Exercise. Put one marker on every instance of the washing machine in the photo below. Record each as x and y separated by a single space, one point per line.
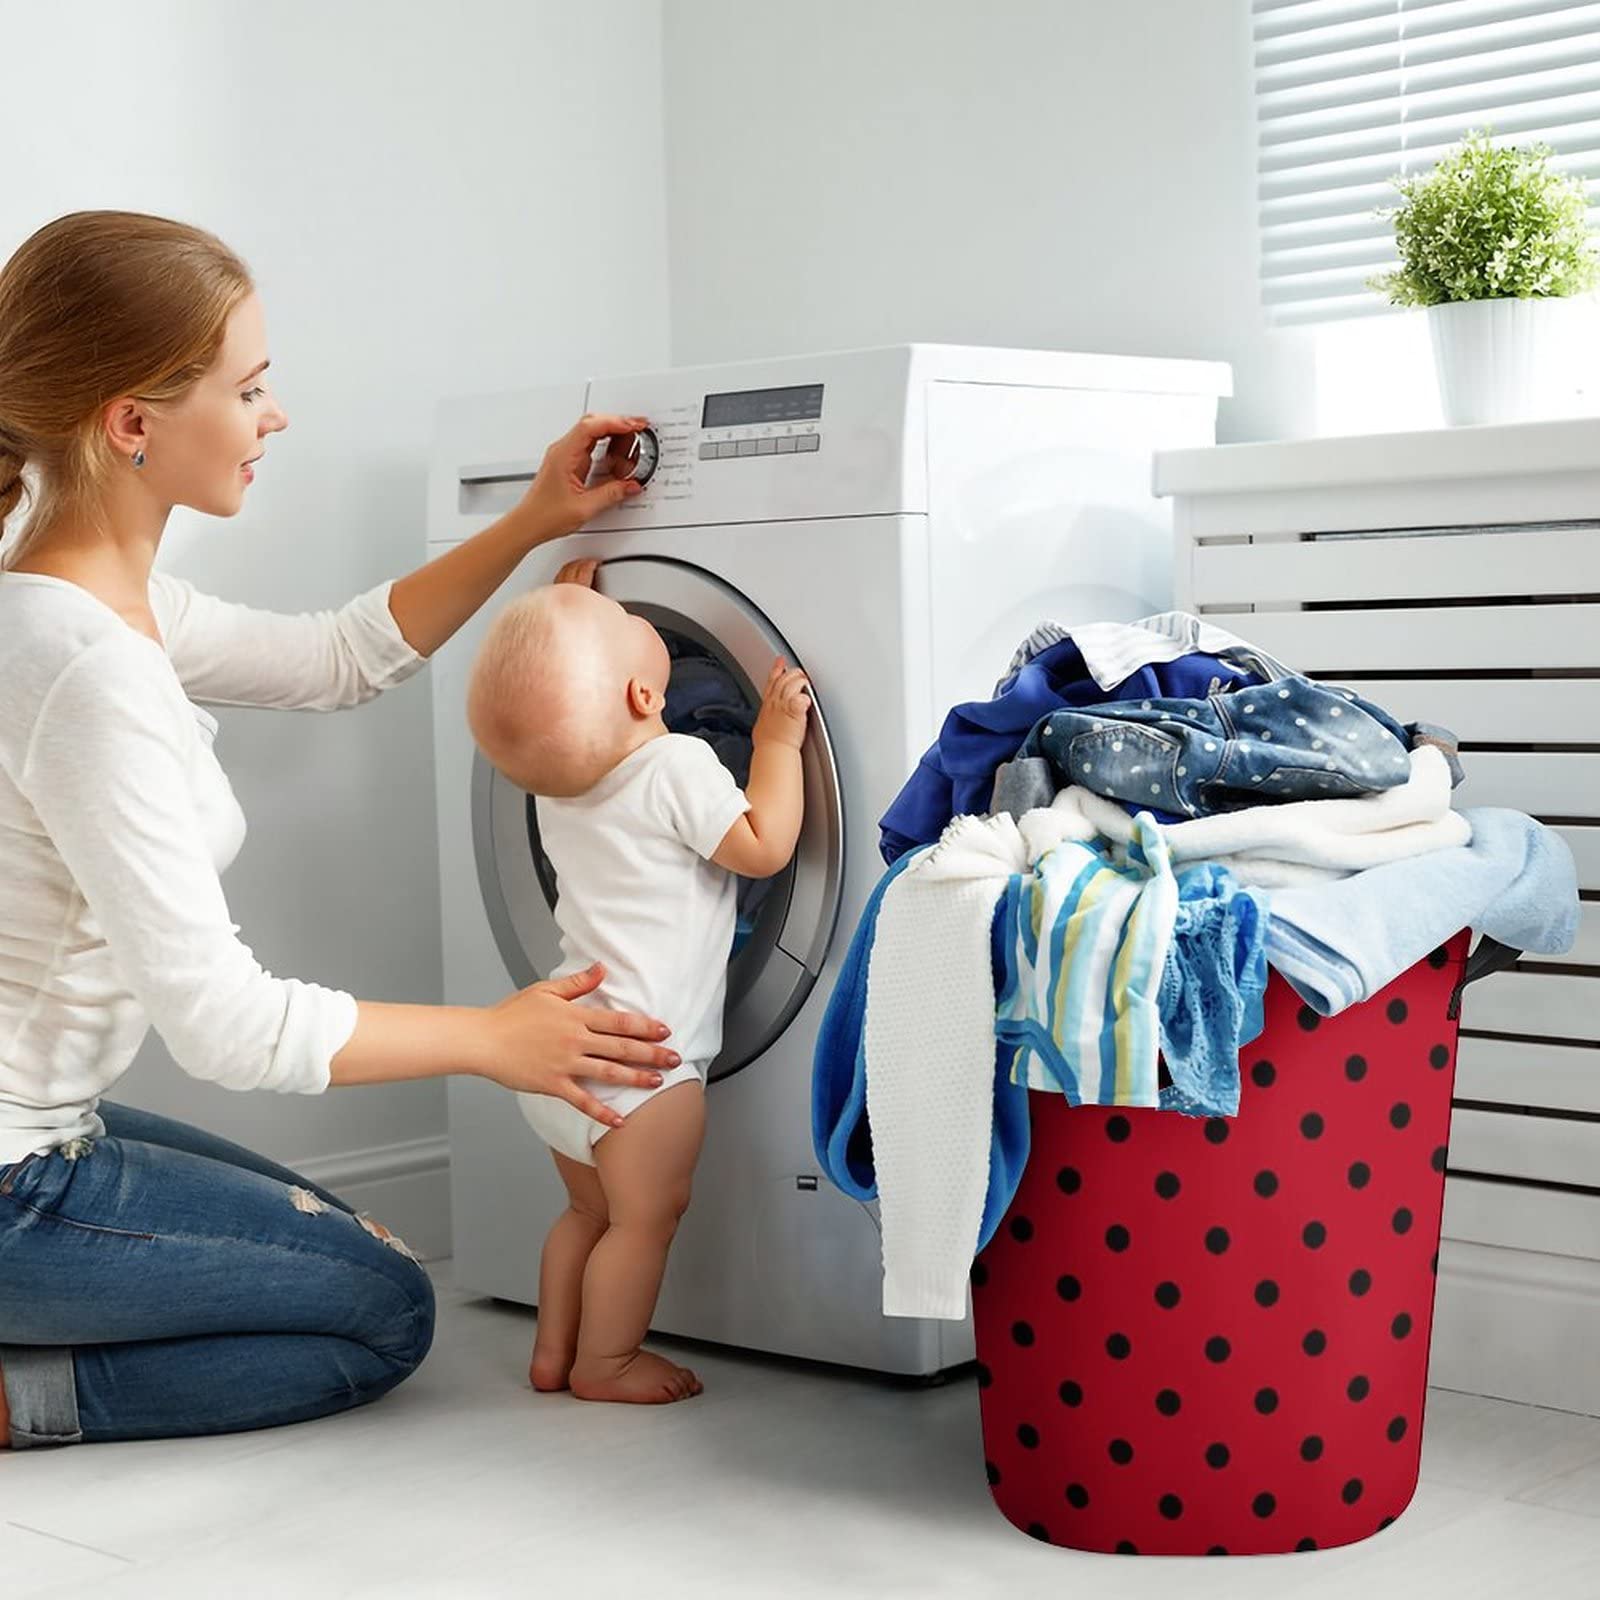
894 521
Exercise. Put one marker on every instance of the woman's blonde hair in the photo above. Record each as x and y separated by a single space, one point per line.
95 305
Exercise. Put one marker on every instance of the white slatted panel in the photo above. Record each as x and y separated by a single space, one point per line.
1350 92
1496 710
1493 631
1543 783
1461 565
1511 1218
1547 1149
1426 639
1550 1004
1511 1072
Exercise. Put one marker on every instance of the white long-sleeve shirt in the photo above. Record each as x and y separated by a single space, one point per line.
116 821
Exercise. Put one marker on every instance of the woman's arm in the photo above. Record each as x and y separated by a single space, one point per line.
435 600
230 654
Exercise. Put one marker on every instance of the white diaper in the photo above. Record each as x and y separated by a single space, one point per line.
568 1131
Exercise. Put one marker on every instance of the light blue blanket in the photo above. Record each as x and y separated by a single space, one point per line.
1339 943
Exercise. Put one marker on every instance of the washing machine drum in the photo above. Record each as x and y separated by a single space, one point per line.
721 648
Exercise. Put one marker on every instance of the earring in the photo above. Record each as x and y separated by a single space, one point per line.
138 458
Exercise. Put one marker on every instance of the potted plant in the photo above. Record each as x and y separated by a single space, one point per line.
1493 243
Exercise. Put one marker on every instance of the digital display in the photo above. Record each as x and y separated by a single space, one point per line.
751 407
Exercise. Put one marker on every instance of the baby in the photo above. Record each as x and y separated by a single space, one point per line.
645 830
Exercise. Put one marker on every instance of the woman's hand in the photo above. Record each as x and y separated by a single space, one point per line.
559 500
541 1043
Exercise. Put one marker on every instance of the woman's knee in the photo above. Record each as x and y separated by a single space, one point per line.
423 1317
391 1297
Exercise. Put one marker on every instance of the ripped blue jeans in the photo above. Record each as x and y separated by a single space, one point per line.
160 1281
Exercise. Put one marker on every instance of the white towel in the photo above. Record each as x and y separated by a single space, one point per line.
930 1052
1337 836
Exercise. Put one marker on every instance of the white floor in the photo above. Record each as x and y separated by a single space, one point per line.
777 1482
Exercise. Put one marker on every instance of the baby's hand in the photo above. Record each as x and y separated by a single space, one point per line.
784 704
581 571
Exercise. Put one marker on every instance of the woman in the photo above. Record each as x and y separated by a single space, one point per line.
155 1280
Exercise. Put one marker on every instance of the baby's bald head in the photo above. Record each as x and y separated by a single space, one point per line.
549 703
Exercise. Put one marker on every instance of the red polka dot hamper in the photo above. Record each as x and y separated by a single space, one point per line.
1211 1336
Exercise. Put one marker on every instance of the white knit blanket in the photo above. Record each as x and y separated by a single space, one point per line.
930 1052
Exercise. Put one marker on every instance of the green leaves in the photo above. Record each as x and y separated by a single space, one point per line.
1489 224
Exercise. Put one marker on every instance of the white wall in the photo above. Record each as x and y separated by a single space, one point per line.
478 196
429 198
1065 173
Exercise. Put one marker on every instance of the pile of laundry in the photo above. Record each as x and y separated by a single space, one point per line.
1090 874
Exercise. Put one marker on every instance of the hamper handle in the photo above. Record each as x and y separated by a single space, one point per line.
1490 956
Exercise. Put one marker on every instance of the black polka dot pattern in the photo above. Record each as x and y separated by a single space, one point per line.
1209 1335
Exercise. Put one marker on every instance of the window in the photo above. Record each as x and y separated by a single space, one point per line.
1351 92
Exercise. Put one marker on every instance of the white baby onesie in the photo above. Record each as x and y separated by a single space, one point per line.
636 889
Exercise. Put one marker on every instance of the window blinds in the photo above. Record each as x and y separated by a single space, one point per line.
1351 92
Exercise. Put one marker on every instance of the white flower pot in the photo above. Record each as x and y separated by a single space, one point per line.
1502 360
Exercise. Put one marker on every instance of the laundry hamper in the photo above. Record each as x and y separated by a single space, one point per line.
1211 1337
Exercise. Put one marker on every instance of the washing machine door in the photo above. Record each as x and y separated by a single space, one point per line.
722 648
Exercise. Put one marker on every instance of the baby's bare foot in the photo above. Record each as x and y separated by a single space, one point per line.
550 1369
641 1379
